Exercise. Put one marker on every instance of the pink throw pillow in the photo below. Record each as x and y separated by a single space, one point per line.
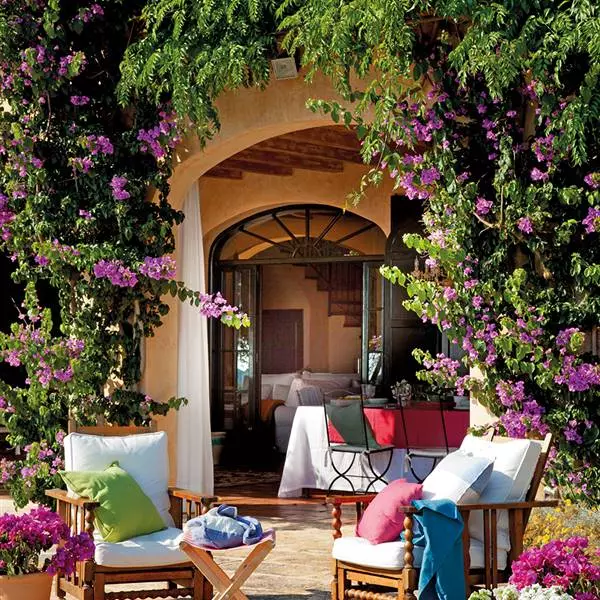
383 519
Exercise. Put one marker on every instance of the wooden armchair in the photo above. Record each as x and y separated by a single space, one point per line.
90 578
492 564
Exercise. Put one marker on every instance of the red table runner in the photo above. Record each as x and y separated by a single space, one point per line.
424 427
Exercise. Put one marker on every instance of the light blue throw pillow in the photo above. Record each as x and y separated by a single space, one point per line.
460 477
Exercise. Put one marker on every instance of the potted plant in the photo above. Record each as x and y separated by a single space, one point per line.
34 546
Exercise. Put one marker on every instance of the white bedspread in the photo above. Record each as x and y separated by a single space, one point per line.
307 464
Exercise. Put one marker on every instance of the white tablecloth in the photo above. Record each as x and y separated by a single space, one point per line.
307 463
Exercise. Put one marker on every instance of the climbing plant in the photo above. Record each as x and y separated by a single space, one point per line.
486 113
84 210
190 52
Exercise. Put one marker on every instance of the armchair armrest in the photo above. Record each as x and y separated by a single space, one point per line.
63 496
76 512
205 499
508 505
347 499
186 504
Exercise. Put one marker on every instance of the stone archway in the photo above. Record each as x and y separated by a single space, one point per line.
248 117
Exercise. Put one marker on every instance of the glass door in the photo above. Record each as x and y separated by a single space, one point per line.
236 402
372 325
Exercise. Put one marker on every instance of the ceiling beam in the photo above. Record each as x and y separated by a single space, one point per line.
295 147
334 137
261 168
273 157
222 172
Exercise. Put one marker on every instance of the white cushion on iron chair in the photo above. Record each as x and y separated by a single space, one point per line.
153 550
390 555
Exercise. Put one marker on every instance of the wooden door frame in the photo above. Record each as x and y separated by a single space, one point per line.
216 268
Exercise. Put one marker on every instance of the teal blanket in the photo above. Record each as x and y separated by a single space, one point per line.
440 528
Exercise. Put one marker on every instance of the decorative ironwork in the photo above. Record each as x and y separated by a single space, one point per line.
310 240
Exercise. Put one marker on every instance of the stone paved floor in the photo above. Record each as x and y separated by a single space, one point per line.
299 566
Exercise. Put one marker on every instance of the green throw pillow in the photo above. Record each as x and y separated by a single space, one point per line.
125 511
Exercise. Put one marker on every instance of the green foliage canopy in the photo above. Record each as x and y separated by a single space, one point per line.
496 105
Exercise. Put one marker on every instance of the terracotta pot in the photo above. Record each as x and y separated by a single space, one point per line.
35 586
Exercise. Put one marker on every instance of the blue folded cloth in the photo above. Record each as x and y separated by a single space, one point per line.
442 567
222 527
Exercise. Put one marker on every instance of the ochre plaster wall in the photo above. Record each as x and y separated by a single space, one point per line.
225 202
249 116
328 345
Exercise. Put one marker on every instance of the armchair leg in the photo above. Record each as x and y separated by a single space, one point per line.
99 587
334 581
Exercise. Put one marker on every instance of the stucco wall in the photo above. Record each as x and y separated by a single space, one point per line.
328 345
249 116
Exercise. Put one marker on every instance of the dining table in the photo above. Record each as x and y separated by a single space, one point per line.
422 426
307 463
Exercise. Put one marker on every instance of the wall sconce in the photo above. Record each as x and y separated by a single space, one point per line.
284 68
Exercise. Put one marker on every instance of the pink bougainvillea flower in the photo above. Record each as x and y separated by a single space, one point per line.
525 225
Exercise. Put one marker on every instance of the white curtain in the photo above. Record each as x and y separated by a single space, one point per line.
194 446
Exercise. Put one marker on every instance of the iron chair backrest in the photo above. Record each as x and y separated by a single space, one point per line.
439 411
350 422
310 395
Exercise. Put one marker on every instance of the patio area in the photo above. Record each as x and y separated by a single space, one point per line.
299 566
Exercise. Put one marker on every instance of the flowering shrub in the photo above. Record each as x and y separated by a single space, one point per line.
566 520
484 114
532 592
76 217
563 563
23 539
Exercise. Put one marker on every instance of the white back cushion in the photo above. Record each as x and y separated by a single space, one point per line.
460 477
143 456
343 376
280 378
514 466
280 392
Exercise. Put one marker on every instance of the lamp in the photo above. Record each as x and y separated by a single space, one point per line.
284 68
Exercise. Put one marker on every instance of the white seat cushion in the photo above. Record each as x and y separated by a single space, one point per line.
154 550
390 555
144 457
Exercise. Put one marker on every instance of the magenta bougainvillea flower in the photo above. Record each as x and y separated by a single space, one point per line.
564 563
23 539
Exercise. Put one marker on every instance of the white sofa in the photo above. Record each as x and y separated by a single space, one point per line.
285 386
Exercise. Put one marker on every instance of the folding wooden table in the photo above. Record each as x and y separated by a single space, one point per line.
228 587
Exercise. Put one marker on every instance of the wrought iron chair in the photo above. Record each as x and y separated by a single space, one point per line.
347 418
433 454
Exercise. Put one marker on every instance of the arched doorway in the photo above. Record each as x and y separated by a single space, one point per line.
307 276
